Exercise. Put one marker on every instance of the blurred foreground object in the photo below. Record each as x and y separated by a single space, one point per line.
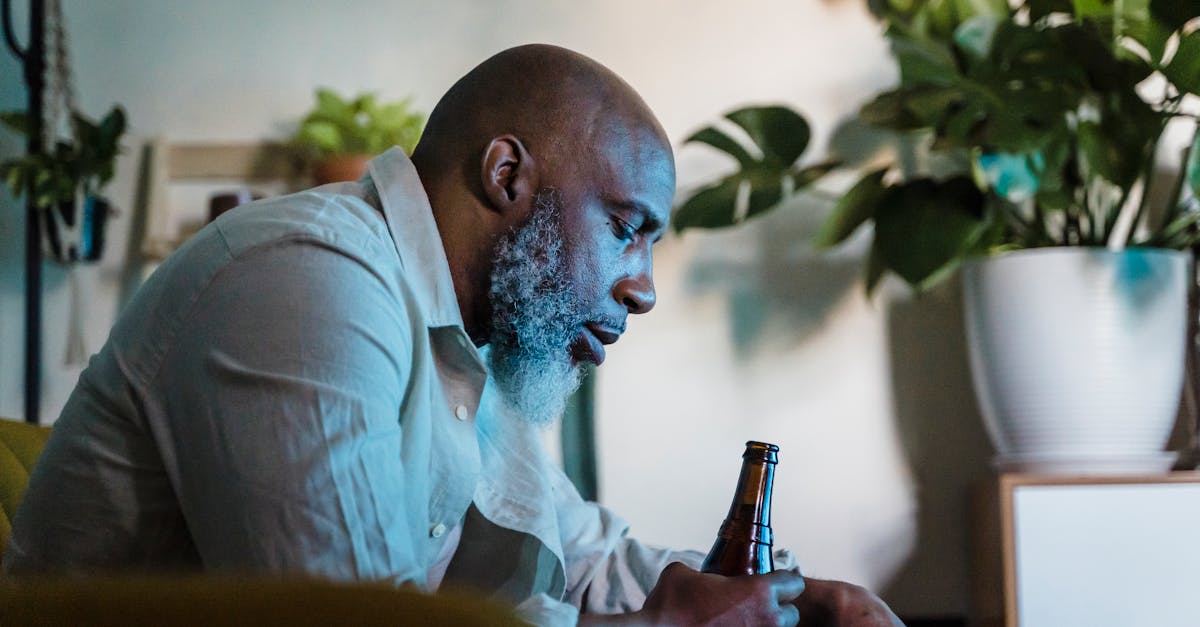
252 602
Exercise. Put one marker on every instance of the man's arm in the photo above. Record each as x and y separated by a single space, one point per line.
281 425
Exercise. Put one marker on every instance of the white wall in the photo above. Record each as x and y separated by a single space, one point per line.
755 336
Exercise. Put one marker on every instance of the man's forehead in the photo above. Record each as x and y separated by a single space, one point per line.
639 172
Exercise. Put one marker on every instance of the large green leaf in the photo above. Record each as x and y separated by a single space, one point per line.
1094 9
780 133
1184 68
932 104
987 8
716 205
924 62
890 110
1117 146
855 207
1041 8
1174 13
764 195
925 227
1104 70
780 136
711 207
18 121
874 269
803 177
719 140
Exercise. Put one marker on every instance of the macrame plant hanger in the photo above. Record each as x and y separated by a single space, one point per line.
33 61
68 232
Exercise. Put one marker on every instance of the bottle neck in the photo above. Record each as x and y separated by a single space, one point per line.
750 512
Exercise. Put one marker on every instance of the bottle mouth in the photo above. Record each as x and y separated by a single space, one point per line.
761 450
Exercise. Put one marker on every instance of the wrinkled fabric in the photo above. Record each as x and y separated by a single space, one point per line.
293 392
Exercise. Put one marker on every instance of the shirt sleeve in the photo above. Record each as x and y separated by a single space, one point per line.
280 423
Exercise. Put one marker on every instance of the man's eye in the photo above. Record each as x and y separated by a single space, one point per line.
622 229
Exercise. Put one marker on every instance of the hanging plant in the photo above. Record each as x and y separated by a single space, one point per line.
65 182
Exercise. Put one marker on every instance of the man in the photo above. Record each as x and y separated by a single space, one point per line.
301 387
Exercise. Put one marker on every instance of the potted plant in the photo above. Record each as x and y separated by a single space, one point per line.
338 136
65 182
1037 124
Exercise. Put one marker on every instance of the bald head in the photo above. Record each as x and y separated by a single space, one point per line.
560 104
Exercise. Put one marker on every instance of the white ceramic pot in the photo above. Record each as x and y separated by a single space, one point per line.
1077 355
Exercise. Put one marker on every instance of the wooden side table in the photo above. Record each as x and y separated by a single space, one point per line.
1103 551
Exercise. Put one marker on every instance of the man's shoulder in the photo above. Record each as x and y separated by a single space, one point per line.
333 216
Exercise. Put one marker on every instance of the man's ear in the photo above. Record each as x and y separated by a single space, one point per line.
509 175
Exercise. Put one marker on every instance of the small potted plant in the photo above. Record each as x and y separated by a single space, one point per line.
65 182
338 136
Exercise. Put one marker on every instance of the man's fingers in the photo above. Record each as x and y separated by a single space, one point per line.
787 585
789 615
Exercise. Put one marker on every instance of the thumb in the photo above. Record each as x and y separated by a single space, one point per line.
786 584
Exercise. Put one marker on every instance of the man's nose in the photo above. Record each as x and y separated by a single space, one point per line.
636 293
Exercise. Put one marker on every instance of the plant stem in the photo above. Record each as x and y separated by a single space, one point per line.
1148 155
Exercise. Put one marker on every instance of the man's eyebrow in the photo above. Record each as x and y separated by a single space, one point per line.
650 222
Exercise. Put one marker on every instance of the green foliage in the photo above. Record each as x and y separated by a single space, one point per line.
336 126
1041 96
83 164
767 169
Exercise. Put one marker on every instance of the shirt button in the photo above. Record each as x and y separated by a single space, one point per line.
460 412
463 342
437 530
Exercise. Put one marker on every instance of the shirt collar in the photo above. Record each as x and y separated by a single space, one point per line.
414 232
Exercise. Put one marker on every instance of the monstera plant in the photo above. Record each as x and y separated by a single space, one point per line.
775 138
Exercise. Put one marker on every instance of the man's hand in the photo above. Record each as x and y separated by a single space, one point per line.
838 604
684 596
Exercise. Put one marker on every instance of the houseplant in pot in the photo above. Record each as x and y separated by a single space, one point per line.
1048 117
339 135
1037 127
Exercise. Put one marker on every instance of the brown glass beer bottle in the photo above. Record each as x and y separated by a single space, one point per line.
743 545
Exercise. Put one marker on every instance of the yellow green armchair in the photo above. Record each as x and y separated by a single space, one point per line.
20 446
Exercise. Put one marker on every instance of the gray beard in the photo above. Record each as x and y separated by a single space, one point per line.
534 317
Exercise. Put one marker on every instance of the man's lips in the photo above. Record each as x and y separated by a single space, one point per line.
593 338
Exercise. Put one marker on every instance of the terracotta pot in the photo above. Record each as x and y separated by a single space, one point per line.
340 168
